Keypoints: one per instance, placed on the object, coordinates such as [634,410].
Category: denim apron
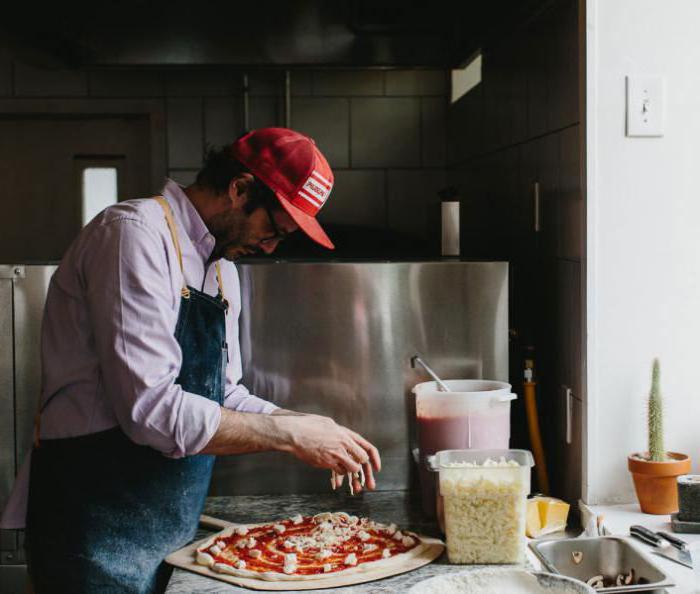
[103,512]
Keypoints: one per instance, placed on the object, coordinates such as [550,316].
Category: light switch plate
[645,105]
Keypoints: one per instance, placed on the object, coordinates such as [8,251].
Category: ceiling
[344,33]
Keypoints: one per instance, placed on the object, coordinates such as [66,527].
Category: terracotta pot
[655,482]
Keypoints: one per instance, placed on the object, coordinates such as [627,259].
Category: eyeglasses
[278,235]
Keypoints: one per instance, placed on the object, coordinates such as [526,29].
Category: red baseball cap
[291,165]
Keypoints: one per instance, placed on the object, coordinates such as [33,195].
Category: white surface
[619,518]
[99,190]
[465,79]
[643,255]
[645,106]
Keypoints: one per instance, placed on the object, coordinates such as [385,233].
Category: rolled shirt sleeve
[240,399]
[133,310]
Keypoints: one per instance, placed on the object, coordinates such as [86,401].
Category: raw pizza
[308,548]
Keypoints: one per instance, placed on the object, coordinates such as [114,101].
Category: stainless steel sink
[608,556]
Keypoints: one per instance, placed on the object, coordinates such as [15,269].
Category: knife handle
[674,540]
[646,535]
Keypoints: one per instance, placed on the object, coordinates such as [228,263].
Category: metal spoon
[441,385]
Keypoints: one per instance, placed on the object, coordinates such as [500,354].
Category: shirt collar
[188,217]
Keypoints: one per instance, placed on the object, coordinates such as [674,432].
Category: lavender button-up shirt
[109,354]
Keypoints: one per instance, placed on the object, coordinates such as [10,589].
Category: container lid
[465,387]
[444,459]
[464,395]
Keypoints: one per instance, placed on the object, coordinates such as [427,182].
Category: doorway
[42,164]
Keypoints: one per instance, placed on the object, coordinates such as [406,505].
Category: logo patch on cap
[316,189]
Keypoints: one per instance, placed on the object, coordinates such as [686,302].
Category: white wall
[643,268]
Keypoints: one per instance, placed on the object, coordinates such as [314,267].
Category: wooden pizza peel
[185,559]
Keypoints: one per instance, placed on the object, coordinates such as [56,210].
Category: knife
[664,544]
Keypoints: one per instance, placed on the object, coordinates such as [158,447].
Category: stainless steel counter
[401,507]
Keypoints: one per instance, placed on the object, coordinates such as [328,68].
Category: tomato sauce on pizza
[307,545]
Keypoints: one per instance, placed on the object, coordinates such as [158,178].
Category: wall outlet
[645,105]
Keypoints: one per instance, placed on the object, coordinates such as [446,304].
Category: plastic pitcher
[475,414]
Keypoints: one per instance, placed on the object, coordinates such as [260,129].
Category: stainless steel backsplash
[336,339]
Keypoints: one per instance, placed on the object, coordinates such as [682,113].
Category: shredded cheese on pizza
[305,546]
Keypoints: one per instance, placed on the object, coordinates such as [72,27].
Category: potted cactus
[655,471]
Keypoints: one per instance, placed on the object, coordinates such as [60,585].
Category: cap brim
[307,224]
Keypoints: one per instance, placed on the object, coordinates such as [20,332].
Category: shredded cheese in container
[484,506]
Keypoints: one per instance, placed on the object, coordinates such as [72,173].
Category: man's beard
[230,233]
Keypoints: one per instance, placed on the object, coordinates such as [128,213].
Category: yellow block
[545,515]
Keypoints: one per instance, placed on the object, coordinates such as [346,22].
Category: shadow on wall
[352,241]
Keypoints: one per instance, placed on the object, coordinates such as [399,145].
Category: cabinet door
[568,209]
[563,66]
[565,454]
[537,41]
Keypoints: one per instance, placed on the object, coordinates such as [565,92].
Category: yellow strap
[173,233]
[220,283]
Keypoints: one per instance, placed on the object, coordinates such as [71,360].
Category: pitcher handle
[506,397]
[430,463]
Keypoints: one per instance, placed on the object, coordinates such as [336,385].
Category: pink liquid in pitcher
[477,430]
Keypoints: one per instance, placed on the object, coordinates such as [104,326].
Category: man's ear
[238,188]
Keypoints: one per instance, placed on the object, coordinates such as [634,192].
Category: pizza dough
[308,548]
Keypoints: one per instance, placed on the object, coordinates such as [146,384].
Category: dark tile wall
[6,68]
[383,131]
[519,127]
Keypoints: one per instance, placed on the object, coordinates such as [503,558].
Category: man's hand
[314,439]
[321,442]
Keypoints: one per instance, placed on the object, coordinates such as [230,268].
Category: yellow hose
[533,425]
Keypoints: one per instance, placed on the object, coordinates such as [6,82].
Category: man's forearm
[287,412]
[314,439]
[243,433]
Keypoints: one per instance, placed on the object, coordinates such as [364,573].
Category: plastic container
[475,414]
[481,508]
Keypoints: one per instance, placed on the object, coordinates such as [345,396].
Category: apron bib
[103,512]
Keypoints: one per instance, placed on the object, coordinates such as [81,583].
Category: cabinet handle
[536,199]
[569,413]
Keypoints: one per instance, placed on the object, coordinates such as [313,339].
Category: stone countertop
[400,507]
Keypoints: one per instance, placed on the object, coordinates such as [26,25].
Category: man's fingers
[357,453]
[348,463]
[371,451]
[369,476]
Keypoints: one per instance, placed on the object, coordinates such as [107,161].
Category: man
[141,364]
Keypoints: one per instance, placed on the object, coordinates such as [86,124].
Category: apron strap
[176,242]
[220,282]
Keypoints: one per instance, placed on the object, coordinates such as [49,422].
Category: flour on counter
[489,581]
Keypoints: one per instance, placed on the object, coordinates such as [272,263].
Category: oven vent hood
[343,33]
